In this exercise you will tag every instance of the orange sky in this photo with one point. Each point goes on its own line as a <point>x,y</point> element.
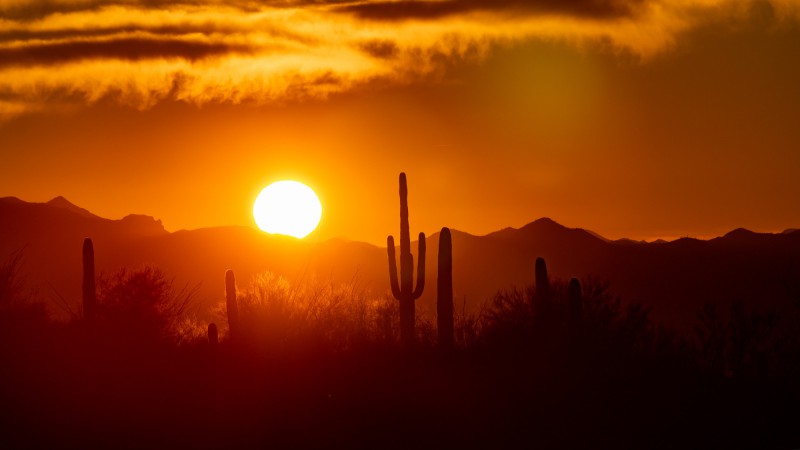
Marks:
<point>635,118</point>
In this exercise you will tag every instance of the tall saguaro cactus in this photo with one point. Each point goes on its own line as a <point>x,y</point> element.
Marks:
<point>404,291</point>
<point>233,307</point>
<point>89,290</point>
<point>444,293</point>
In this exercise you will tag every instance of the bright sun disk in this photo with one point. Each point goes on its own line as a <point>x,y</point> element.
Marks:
<point>287,207</point>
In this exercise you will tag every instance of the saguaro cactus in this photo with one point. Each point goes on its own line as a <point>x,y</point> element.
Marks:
<point>402,291</point>
<point>233,307</point>
<point>213,335</point>
<point>574,300</point>
<point>444,292</point>
<point>542,282</point>
<point>89,291</point>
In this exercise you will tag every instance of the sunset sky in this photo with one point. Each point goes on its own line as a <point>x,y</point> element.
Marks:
<point>632,118</point>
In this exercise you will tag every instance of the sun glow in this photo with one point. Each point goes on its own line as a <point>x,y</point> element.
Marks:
<point>287,207</point>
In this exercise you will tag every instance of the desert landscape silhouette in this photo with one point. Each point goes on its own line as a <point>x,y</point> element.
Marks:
<point>287,360</point>
<point>598,241</point>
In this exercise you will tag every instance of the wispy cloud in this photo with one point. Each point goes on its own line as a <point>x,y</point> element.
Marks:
<point>142,52</point>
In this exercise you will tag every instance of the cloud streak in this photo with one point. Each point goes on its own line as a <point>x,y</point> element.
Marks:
<point>120,48</point>
<point>434,9</point>
<point>142,52</point>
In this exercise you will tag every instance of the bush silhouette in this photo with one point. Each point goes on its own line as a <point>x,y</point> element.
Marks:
<point>279,315</point>
<point>11,281</point>
<point>529,320</point>
<point>746,342</point>
<point>18,307</point>
<point>142,304</point>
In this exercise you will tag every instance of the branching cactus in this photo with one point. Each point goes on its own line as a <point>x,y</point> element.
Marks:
<point>404,290</point>
<point>574,301</point>
<point>444,293</point>
<point>233,307</point>
<point>89,291</point>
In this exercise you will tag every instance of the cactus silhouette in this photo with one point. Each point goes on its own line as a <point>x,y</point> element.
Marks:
<point>89,291</point>
<point>444,293</point>
<point>233,307</point>
<point>574,300</point>
<point>402,291</point>
<point>542,282</point>
<point>213,335</point>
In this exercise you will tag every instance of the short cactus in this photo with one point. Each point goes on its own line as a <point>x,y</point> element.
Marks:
<point>574,300</point>
<point>213,335</point>
<point>542,282</point>
<point>89,290</point>
<point>444,297</point>
<point>402,291</point>
<point>232,306</point>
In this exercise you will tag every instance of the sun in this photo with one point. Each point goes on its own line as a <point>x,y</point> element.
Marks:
<point>287,207</point>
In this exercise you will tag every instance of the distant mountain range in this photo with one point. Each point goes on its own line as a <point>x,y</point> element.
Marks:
<point>673,278</point>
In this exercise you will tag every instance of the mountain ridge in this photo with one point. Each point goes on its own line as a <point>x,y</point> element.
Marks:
<point>671,278</point>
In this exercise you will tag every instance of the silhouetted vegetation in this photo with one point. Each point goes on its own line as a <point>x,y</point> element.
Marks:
<point>444,291</point>
<point>21,313</point>
<point>89,288</point>
<point>404,290</point>
<point>11,282</point>
<point>745,343</point>
<point>278,316</point>
<point>142,305</point>
<point>318,364</point>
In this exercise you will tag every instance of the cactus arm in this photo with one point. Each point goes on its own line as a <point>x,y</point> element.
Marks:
<point>392,268</point>
<point>420,267</point>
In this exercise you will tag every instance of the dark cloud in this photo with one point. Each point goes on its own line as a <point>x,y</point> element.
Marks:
<point>370,9</point>
<point>167,31</point>
<point>382,49</point>
<point>125,49</point>
<point>37,9</point>
<point>33,10</point>
<point>425,9</point>
<point>64,33</point>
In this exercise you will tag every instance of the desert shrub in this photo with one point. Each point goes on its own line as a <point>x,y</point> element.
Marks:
<point>467,326</point>
<point>11,282</point>
<point>744,341</point>
<point>142,304</point>
<point>189,330</point>
<point>280,315</point>
<point>19,308</point>
<point>521,319</point>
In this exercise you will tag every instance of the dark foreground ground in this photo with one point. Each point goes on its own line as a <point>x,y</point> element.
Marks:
<point>61,387</point>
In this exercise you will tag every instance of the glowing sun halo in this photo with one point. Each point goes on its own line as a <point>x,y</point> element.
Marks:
<point>287,207</point>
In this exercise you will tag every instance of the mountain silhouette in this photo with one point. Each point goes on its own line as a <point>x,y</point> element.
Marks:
<point>674,278</point>
<point>61,202</point>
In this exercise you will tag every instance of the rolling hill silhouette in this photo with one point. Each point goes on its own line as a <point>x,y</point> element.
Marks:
<point>673,278</point>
